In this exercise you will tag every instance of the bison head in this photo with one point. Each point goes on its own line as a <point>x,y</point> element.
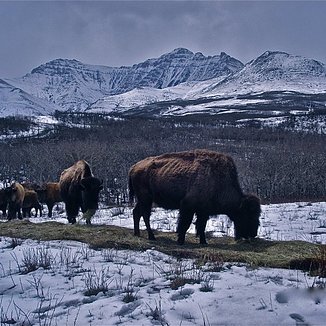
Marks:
<point>247,223</point>
<point>90,189</point>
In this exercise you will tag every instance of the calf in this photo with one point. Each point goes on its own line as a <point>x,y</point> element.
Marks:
<point>15,196</point>
<point>49,194</point>
<point>31,201</point>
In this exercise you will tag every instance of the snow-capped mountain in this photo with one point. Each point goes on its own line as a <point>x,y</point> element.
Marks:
<point>75,86</point>
<point>274,71</point>
<point>14,101</point>
<point>273,79</point>
<point>177,83</point>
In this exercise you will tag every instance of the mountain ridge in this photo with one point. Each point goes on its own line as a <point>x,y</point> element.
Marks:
<point>75,85</point>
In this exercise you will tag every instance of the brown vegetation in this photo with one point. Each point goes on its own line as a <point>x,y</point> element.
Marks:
<point>278,254</point>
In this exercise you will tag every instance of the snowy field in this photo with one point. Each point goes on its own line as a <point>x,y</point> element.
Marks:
<point>67,283</point>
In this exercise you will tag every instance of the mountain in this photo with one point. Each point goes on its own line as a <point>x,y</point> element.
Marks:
<point>75,86</point>
<point>274,71</point>
<point>14,101</point>
<point>177,83</point>
<point>275,81</point>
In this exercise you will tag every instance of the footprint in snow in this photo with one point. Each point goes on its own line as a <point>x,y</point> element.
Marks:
<point>299,320</point>
<point>182,294</point>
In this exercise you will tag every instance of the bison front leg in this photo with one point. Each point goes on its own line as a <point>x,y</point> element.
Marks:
<point>72,212</point>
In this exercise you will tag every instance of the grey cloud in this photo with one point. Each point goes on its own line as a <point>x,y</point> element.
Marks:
<point>118,33</point>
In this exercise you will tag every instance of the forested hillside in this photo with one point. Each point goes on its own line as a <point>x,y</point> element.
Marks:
<point>276,164</point>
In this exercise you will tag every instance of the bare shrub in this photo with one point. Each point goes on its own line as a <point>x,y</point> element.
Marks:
<point>130,293</point>
<point>96,282</point>
<point>34,258</point>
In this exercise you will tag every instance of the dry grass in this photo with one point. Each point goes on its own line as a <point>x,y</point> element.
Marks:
<point>282,254</point>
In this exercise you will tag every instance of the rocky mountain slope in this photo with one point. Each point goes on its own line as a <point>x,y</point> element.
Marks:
<point>15,101</point>
<point>75,86</point>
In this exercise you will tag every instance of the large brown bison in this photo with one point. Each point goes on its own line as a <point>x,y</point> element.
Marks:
<point>31,201</point>
<point>3,202</point>
<point>80,189</point>
<point>49,193</point>
<point>15,196</point>
<point>197,182</point>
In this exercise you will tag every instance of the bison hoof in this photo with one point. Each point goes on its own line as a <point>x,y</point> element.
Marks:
<point>151,237</point>
<point>181,242</point>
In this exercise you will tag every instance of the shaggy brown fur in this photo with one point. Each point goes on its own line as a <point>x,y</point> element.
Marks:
<point>31,201</point>
<point>15,196</point>
<point>49,194</point>
<point>79,189</point>
<point>200,181</point>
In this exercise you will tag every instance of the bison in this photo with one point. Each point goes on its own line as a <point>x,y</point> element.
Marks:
<point>31,201</point>
<point>3,202</point>
<point>80,189</point>
<point>200,182</point>
<point>49,194</point>
<point>15,196</point>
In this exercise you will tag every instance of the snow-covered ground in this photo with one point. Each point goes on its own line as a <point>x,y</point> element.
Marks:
<point>140,288</point>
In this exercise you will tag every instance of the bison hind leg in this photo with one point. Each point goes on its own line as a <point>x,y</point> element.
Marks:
<point>200,228</point>
<point>137,213</point>
<point>145,212</point>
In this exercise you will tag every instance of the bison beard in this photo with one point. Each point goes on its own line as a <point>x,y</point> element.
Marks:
<point>80,189</point>
<point>197,182</point>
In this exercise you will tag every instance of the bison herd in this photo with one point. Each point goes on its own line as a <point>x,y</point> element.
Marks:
<point>198,182</point>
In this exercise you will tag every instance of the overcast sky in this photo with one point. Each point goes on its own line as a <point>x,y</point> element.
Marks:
<point>116,33</point>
